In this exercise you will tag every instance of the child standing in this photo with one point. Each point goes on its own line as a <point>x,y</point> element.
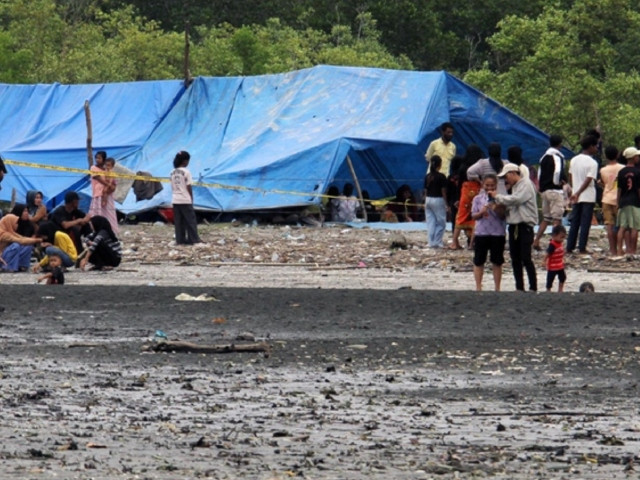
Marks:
<point>490,228</point>
<point>554,258</point>
<point>436,206</point>
<point>184,215</point>
<point>98,184</point>
<point>108,202</point>
<point>609,182</point>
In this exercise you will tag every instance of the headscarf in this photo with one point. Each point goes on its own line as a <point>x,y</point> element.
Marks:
<point>47,231</point>
<point>31,201</point>
<point>25,227</point>
<point>9,224</point>
<point>100,223</point>
<point>9,232</point>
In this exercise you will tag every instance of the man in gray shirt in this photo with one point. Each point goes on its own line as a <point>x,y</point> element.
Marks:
<point>522,216</point>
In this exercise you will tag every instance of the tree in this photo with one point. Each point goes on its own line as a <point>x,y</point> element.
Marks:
<point>567,71</point>
<point>275,48</point>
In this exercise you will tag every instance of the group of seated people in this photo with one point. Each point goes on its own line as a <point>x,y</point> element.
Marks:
<point>65,238</point>
<point>345,207</point>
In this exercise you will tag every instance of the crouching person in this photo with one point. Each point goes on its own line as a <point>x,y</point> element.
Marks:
<point>104,250</point>
<point>55,242</point>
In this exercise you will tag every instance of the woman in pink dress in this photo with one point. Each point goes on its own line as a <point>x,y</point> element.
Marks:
<point>98,184</point>
<point>108,202</point>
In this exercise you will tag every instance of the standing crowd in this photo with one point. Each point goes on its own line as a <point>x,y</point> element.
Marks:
<point>494,201</point>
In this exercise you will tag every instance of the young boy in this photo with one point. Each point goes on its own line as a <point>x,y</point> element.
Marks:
<point>56,275</point>
<point>609,182</point>
<point>554,258</point>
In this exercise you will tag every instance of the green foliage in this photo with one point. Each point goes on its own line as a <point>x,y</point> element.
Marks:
<point>565,65</point>
<point>274,48</point>
<point>13,60</point>
<point>569,70</point>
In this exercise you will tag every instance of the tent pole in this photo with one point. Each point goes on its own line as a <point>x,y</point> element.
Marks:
<point>187,48</point>
<point>87,114</point>
<point>355,180</point>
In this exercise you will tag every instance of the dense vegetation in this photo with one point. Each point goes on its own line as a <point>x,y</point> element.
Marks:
<point>564,65</point>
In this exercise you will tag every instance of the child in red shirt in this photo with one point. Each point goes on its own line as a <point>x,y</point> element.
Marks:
<point>554,258</point>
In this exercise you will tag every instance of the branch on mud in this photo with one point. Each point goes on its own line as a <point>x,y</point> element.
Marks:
<point>534,414</point>
<point>188,347</point>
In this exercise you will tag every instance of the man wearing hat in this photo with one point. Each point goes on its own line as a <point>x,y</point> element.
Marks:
<point>522,216</point>
<point>629,202</point>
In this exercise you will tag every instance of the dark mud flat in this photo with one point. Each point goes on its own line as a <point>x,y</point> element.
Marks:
<point>358,385</point>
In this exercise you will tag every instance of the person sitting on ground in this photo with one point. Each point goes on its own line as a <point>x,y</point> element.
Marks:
<point>332,203</point>
<point>372,214</point>
<point>56,242</point>
<point>25,227</point>
<point>71,220</point>
<point>15,249</point>
<point>36,207</point>
<point>403,208</point>
<point>56,275</point>
<point>348,205</point>
<point>104,250</point>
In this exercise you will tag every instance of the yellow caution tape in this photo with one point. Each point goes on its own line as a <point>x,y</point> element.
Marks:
<point>83,171</point>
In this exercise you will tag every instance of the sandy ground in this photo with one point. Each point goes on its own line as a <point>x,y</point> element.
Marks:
<point>382,364</point>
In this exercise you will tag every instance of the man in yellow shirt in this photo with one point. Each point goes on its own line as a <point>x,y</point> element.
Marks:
<point>443,147</point>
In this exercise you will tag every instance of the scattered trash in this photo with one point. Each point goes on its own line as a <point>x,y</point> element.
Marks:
<point>160,335</point>
<point>204,297</point>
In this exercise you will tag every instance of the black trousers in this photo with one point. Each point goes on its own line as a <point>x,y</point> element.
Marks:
<point>520,243</point>
<point>185,224</point>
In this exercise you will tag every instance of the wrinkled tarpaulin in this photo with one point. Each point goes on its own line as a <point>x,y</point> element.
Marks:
<point>288,133</point>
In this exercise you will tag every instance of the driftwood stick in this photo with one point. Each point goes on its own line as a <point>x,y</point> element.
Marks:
<point>178,346</point>
<point>87,114</point>
<point>258,264</point>
<point>612,270</point>
<point>557,413</point>
<point>358,189</point>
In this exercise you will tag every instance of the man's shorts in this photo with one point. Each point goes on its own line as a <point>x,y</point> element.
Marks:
<point>552,205</point>
<point>629,217</point>
<point>609,213</point>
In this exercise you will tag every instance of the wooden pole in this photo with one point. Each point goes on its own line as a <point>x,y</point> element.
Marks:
<point>87,114</point>
<point>355,180</point>
<point>187,48</point>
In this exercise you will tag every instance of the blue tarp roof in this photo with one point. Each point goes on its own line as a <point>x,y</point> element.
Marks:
<point>281,138</point>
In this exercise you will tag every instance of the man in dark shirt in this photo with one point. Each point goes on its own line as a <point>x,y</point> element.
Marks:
<point>551,178</point>
<point>629,202</point>
<point>70,220</point>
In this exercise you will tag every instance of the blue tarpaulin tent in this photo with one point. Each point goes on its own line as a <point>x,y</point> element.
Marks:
<point>256,142</point>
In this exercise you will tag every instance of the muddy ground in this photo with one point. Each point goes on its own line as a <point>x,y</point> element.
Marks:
<point>383,364</point>
<point>359,384</point>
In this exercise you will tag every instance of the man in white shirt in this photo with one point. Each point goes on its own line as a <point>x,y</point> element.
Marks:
<point>583,171</point>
